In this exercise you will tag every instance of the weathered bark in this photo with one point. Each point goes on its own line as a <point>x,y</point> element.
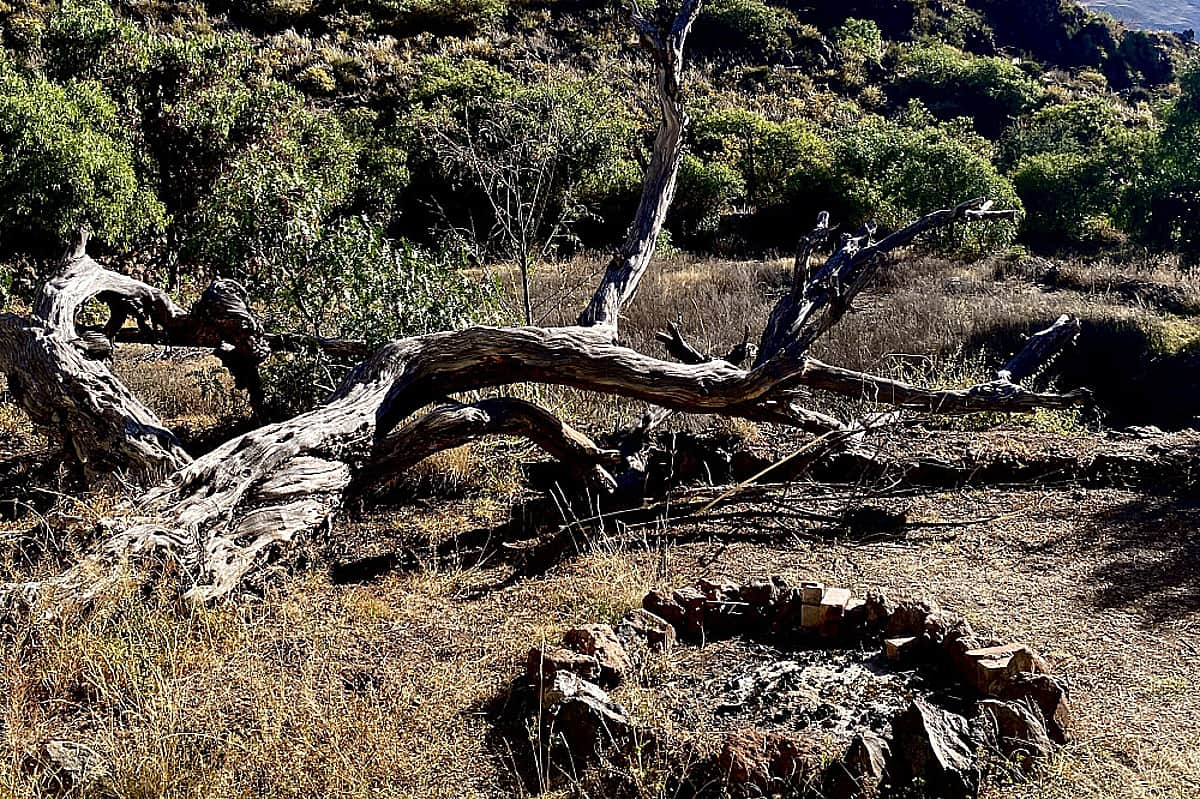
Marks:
<point>665,45</point>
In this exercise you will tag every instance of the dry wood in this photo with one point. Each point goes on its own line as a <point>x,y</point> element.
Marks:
<point>217,516</point>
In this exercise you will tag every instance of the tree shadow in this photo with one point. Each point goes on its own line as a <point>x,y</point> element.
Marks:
<point>1148,553</point>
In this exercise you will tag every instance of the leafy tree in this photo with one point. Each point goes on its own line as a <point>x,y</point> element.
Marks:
<point>893,173</point>
<point>1167,203</point>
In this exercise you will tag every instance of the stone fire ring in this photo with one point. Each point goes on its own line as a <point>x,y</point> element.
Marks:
<point>1021,712</point>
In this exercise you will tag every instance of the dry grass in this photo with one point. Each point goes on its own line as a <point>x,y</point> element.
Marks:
<point>386,688</point>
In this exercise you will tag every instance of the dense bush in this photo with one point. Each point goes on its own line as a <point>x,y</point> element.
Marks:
<point>1167,211</point>
<point>893,173</point>
<point>991,91</point>
<point>66,159</point>
<point>750,27</point>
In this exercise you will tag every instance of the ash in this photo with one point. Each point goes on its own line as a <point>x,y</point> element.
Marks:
<point>840,692</point>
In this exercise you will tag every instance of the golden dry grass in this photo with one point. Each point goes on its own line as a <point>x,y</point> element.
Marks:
<point>385,689</point>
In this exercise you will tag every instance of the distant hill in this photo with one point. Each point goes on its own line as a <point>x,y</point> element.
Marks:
<point>1172,15</point>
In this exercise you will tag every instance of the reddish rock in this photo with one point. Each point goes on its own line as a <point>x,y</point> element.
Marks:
<point>761,594</point>
<point>665,607</point>
<point>989,669</point>
<point>832,609</point>
<point>720,589</point>
<point>655,630</point>
<point>600,641</point>
<point>1049,695</point>
<point>908,619</point>
<point>692,601</point>
<point>542,666</point>
<point>754,762</point>
<point>811,593</point>
<point>1019,731</point>
<point>901,650</point>
<point>879,609</point>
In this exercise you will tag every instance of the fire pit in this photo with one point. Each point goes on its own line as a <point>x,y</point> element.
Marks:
<point>821,693</point>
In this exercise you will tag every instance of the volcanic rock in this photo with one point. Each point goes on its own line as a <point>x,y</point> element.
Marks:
<point>1019,730</point>
<point>580,714</point>
<point>600,642</point>
<point>934,747</point>
<point>655,630</point>
<point>755,762</point>
<point>1049,695</point>
<point>543,665</point>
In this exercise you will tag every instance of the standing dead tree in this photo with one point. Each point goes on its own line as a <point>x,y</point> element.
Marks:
<point>218,515</point>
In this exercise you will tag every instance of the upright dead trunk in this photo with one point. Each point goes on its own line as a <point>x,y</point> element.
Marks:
<point>629,263</point>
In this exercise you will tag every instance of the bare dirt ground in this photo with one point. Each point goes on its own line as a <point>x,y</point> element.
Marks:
<point>385,679</point>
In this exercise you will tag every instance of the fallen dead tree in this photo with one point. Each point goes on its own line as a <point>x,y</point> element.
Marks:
<point>219,515</point>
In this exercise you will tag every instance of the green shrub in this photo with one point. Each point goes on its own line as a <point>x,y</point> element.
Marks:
<point>350,281</point>
<point>991,91</point>
<point>66,159</point>
<point>750,27</point>
<point>1166,203</point>
<point>894,174</point>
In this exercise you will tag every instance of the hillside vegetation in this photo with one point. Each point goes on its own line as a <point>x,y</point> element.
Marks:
<point>278,141</point>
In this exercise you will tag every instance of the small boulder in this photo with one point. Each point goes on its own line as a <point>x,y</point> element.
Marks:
<point>543,665</point>
<point>1049,695</point>
<point>580,714</point>
<point>600,641</point>
<point>655,630</point>
<point>861,772</point>
<point>65,767</point>
<point>754,762</point>
<point>879,609</point>
<point>908,619</point>
<point>933,747</point>
<point>1019,731</point>
<point>665,607</point>
<point>989,669</point>
<point>901,650</point>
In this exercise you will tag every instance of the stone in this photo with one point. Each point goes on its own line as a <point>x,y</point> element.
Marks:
<point>942,625</point>
<point>580,714</point>
<point>811,593</point>
<point>933,748</point>
<point>65,767</point>
<point>754,762</point>
<point>720,589</point>
<point>879,609</point>
<point>1049,695</point>
<point>600,641</point>
<point>861,772</point>
<point>810,617</point>
<point>908,619</point>
<point>855,616</point>
<point>1019,731</point>
<point>543,665</point>
<point>901,650</point>
<point>832,608</point>
<point>665,607</point>
<point>654,629</point>
<point>760,594</point>
<point>692,601</point>
<point>990,668</point>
